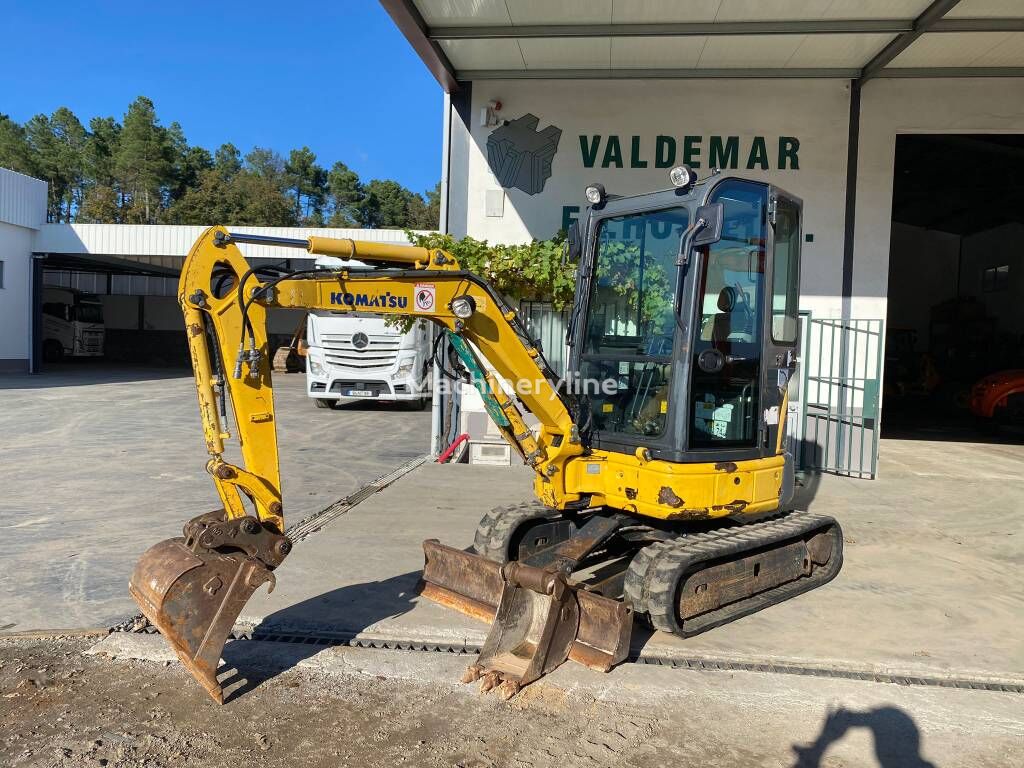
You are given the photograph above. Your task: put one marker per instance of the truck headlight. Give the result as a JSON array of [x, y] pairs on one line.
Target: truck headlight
[[315, 368], [406, 367]]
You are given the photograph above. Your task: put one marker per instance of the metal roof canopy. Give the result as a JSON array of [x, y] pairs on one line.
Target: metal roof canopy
[[110, 265], [466, 40]]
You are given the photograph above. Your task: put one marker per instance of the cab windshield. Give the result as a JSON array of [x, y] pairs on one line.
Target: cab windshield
[[630, 324], [88, 313]]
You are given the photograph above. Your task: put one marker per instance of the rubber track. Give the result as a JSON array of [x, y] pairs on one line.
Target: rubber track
[[656, 588], [497, 527]]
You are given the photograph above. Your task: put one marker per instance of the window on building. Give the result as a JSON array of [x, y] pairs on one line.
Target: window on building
[[1, 274], [996, 278]]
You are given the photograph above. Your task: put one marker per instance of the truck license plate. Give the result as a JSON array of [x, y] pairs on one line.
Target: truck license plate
[[360, 393]]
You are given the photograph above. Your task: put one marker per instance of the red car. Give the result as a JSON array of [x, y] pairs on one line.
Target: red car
[[999, 396]]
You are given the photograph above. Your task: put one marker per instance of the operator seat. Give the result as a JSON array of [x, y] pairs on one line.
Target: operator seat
[[721, 325]]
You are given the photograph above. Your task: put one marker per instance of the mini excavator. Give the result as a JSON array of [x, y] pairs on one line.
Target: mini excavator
[[663, 482]]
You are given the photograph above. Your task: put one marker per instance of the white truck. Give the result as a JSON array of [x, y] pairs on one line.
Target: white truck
[[350, 356], [72, 324]]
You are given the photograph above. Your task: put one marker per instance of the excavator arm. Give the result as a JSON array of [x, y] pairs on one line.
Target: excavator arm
[[193, 588]]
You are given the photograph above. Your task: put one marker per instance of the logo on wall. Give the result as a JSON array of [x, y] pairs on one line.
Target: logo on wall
[[520, 156]]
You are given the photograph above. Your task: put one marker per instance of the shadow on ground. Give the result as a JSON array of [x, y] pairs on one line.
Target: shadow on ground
[[78, 373], [340, 614], [896, 736]]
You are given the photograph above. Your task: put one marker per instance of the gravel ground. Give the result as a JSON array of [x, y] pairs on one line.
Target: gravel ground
[[60, 708]]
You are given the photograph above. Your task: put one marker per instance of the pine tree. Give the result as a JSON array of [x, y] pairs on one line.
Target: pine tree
[[308, 184], [346, 194], [15, 151], [143, 164], [58, 146]]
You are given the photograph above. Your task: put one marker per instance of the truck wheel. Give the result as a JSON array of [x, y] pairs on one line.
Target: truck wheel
[[324, 403], [53, 351]]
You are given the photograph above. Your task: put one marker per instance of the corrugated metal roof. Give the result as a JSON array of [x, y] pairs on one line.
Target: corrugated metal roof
[[153, 240], [22, 200]]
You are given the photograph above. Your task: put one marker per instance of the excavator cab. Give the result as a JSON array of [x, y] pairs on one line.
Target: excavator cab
[[685, 321], [661, 472]]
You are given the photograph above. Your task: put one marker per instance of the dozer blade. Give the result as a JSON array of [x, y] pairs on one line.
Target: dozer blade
[[194, 600], [538, 618]]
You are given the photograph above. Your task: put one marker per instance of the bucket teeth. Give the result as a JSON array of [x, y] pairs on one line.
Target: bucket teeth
[[538, 620], [490, 681]]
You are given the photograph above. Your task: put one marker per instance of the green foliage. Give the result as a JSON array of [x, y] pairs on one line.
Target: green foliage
[[15, 152], [139, 171], [58, 146], [533, 271], [143, 164]]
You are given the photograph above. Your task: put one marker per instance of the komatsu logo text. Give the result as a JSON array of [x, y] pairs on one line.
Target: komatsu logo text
[[384, 301]]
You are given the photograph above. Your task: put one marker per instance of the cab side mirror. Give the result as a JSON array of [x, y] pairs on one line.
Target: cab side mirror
[[713, 214], [573, 243]]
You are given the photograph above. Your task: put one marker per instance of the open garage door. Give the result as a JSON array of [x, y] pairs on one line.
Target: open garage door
[[107, 310], [954, 355]]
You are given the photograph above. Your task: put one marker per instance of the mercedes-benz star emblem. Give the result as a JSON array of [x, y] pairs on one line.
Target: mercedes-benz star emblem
[[360, 340]]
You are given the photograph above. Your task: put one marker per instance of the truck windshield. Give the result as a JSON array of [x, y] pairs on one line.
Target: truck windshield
[[630, 321], [89, 313]]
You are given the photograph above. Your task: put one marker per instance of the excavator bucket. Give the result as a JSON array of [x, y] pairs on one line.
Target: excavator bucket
[[538, 618], [193, 596]]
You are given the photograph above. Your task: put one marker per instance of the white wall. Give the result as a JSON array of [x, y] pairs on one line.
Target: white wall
[[22, 212], [813, 111], [15, 296], [889, 107]]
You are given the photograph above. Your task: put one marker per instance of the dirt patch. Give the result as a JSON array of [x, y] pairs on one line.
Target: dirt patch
[[62, 709]]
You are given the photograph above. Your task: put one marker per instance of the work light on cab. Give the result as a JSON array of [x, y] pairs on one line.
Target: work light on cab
[[682, 176], [595, 194]]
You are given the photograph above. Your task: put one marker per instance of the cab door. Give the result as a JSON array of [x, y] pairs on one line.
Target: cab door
[[782, 313]]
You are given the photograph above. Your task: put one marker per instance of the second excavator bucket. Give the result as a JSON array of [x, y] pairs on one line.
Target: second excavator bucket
[[538, 618], [194, 594]]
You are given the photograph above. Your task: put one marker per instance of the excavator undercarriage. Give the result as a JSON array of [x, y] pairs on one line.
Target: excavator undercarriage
[[557, 587]]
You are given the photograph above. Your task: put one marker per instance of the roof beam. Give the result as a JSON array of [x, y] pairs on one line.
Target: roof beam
[[411, 24], [932, 14], [924, 72], [827, 26], [805, 27], [654, 74], [978, 25]]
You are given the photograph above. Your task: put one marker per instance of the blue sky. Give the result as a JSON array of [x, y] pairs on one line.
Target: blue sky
[[335, 76]]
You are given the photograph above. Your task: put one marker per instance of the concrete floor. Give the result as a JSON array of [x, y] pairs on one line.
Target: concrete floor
[[96, 465], [98, 462], [932, 583]]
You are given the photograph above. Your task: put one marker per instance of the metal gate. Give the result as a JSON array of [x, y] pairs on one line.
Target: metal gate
[[841, 395], [547, 326]]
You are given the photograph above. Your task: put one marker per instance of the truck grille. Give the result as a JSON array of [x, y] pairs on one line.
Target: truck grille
[[92, 341], [379, 352]]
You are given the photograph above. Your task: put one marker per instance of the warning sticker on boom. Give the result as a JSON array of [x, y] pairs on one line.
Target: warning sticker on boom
[[425, 294]]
